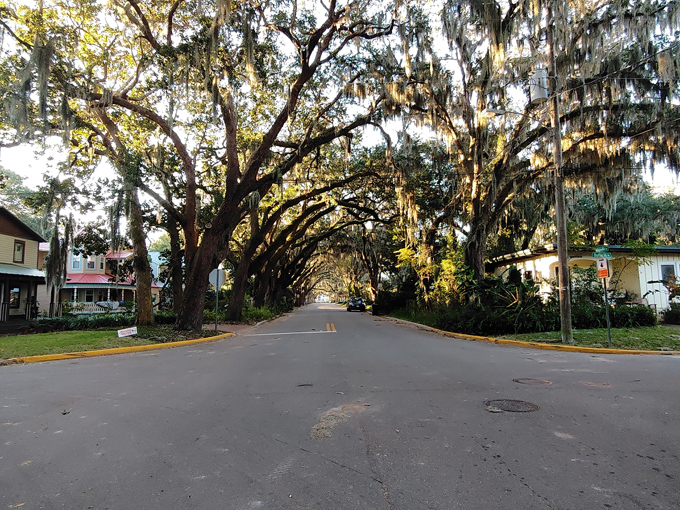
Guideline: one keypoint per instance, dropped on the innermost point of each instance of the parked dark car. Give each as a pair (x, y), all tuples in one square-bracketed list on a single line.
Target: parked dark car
[(356, 303)]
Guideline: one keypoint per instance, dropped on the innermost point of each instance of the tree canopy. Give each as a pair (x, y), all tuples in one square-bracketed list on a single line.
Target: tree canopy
[(239, 125)]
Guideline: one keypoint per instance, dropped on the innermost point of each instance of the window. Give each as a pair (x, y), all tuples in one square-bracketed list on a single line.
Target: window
[(89, 295), (75, 261), (101, 295), (102, 258), (19, 251), (91, 262), (14, 297), (667, 272)]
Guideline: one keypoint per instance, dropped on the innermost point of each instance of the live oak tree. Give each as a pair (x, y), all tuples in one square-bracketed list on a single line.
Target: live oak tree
[(616, 76), (244, 91)]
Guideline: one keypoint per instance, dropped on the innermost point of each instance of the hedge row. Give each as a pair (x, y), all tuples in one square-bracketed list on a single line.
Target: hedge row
[(476, 320)]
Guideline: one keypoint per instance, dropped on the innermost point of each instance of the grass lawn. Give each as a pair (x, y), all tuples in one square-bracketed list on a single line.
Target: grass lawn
[(650, 338), (75, 341)]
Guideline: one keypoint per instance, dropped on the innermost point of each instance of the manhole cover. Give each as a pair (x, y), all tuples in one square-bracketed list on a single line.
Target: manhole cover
[(528, 380), (511, 406)]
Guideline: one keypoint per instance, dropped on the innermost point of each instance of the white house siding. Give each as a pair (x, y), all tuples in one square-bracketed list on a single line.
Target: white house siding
[(542, 269), (656, 293)]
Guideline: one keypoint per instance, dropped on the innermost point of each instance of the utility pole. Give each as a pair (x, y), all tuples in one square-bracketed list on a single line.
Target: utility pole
[(562, 249)]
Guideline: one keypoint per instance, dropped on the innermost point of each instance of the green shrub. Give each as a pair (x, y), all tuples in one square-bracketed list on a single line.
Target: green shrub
[(474, 319), (672, 315), (591, 316), (129, 306), (165, 317), (82, 322), (588, 316), (632, 316), (253, 314), (209, 316)]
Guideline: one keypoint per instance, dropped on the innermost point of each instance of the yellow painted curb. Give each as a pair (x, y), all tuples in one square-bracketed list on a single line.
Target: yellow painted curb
[(116, 350), (538, 345)]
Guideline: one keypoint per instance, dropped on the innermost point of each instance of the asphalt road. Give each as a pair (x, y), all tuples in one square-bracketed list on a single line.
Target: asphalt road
[(374, 415)]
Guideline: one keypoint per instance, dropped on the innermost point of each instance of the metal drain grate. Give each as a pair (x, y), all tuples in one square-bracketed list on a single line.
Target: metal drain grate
[(511, 406), (528, 380)]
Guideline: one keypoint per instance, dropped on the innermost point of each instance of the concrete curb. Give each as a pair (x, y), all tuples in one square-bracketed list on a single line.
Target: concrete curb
[(108, 352), (534, 345)]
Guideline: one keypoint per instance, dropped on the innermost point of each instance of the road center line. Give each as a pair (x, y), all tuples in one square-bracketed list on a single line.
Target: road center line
[(291, 333)]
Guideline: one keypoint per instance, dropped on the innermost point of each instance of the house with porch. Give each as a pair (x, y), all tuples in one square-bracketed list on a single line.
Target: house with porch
[(20, 275), (641, 277), (92, 286)]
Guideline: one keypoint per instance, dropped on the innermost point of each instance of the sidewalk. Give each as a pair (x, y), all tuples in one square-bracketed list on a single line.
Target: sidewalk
[(235, 329)]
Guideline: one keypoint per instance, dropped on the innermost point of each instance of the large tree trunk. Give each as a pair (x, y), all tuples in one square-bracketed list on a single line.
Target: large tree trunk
[(176, 272), (475, 250), (374, 281), (140, 262), (238, 291), (264, 286), (197, 280)]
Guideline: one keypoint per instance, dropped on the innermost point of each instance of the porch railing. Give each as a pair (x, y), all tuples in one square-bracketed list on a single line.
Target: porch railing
[(76, 307)]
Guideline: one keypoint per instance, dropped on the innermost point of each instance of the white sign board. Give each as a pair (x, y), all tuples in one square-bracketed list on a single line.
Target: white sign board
[(602, 268), (127, 332), (217, 278)]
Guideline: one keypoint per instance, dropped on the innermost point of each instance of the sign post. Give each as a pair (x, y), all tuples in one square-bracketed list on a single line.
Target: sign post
[(603, 272)]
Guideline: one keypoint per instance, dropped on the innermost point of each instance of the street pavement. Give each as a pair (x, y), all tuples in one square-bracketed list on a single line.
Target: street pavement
[(325, 409)]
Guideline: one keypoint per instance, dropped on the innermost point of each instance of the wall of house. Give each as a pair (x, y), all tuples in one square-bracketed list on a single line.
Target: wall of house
[(656, 293), (634, 278), (43, 300), (7, 251), (629, 277), (83, 262)]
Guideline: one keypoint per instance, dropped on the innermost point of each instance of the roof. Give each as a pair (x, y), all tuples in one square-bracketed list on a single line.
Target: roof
[(549, 249), (118, 255), (14, 226), (13, 270), (96, 280)]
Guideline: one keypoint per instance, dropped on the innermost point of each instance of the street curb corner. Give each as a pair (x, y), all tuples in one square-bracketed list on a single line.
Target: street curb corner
[(108, 352), (535, 345)]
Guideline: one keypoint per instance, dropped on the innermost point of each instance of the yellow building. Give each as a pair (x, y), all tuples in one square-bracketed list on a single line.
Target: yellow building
[(19, 273)]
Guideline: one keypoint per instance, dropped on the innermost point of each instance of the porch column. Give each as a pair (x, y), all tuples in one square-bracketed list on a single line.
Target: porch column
[(108, 294), (75, 295)]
